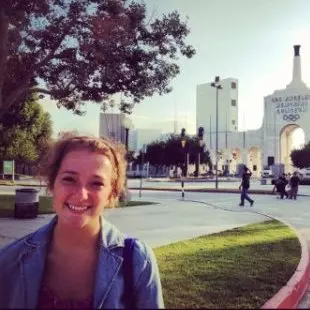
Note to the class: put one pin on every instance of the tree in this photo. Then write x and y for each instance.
(301, 158)
(25, 132)
(171, 153)
(79, 50)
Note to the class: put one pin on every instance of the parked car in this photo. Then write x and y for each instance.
(266, 173)
(304, 173)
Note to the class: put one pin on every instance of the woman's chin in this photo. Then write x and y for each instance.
(76, 220)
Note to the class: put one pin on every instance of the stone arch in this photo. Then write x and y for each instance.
(254, 160)
(221, 159)
(236, 159)
(286, 145)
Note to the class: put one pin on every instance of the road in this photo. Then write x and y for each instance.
(159, 183)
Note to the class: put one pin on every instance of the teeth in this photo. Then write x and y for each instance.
(77, 208)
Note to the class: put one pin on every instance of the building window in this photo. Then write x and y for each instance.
(233, 85)
(233, 102)
(233, 122)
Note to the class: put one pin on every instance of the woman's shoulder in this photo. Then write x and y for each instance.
(13, 250)
(143, 251)
(30, 241)
(114, 240)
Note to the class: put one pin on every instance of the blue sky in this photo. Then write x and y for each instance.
(245, 39)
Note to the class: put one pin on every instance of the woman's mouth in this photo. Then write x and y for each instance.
(76, 208)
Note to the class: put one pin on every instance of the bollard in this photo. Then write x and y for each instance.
(26, 203)
(183, 194)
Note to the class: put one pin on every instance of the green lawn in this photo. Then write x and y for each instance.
(45, 205)
(241, 268)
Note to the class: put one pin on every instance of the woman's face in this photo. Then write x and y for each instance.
(83, 186)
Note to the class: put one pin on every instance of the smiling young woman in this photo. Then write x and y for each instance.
(77, 260)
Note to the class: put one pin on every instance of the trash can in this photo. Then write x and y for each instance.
(26, 203)
(263, 181)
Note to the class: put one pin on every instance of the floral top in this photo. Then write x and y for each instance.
(49, 300)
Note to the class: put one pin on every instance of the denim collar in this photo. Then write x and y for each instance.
(33, 259)
(111, 237)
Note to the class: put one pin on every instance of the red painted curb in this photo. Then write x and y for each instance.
(290, 295)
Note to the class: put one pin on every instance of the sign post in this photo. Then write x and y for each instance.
(8, 168)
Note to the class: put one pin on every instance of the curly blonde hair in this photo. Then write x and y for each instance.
(114, 151)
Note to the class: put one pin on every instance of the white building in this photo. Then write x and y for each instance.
(146, 136)
(284, 111)
(227, 106)
(111, 126)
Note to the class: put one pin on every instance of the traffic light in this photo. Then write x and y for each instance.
(183, 132)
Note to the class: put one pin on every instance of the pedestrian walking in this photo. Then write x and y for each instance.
(79, 259)
(244, 187)
(294, 184)
(280, 186)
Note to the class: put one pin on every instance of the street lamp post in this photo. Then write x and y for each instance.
(127, 124)
(183, 141)
(217, 85)
(142, 152)
(201, 147)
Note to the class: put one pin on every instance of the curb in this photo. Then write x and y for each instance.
(291, 294)
(206, 190)
(197, 190)
(211, 190)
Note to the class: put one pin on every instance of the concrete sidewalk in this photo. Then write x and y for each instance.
(160, 224)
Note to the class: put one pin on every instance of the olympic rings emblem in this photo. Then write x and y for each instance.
(291, 117)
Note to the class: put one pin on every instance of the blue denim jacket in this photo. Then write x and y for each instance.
(22, 268)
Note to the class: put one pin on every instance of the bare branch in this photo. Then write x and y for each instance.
(154, 11)
(9, 101)
(40, 90)
(24, 84)
(51, 54)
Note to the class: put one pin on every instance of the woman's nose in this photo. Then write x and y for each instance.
(82, 193)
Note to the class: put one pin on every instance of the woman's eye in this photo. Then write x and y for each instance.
(97, 184)
(68, 180)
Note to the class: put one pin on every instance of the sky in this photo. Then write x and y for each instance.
(245, 39)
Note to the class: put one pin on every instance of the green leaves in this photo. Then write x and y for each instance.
(90, 50)
(171, 152)
(301, 158)
(25, 132)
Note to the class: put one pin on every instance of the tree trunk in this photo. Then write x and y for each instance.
(4, 27)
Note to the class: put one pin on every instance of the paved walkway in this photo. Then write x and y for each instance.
(160, 224)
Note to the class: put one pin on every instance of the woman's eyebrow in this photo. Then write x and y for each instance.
(69, 171)
(75, 173)
(98, 176)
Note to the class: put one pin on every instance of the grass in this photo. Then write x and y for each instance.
(45, 205)
(241, 268)
(3, 182)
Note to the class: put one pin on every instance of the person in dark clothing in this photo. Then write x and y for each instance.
(280, 186)
(244, 187)
(294, 183)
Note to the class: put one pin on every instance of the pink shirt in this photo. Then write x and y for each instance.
(48, 300)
